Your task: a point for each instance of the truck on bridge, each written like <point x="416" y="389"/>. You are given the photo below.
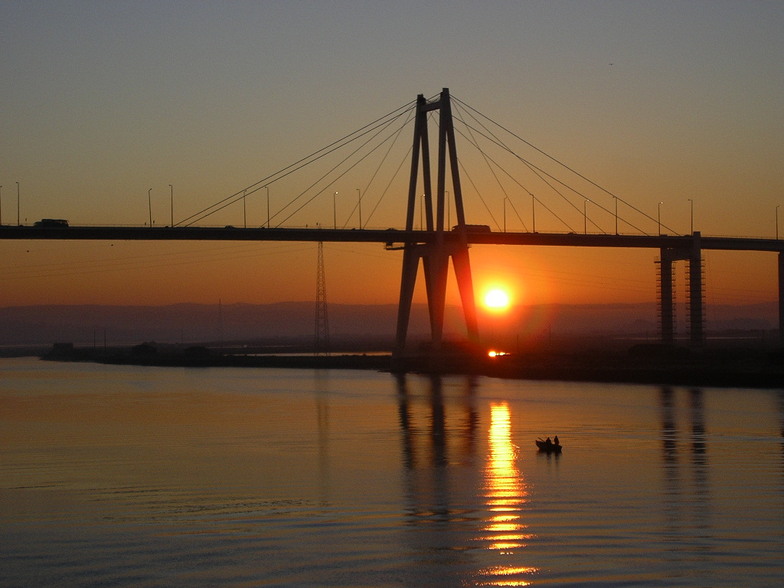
<point x="51" y="223"/>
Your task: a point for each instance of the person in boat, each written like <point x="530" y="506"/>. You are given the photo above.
<point x="555" y="441"/>
<point x="548" y="442"/>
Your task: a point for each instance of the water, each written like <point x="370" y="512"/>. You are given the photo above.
<point x="117" y="475"/>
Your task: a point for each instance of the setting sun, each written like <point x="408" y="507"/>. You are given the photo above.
<point x="496" y="299"/>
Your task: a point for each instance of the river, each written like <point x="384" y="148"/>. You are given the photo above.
<point x="134" y="476"/>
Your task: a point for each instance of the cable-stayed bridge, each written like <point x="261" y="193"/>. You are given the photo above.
<point x="435" y="240"/>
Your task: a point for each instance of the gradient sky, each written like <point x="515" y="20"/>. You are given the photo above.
<point x="656" y="101"/>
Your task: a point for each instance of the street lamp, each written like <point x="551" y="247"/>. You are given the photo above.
<point x="616" y="214"/>
<point x="244" y="211"/>
<point x="359" y="205"/>
<point x="171" y="200"/>
<point x="1" y="205"/>
<point x="505" y="199"/>
<point x="533" y="213"/>
<point x="268" y="216"/>
<point x="777" y="222"/>
<point x="149" y="204"/>
<point x="334" y="211"/>
<point x="17" y="204"/>
<point x="585" y="216"/>
<point x="691" y="216"/>
<point x="658" y="215"/>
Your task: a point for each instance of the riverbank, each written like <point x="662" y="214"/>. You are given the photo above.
<point x="643" y="364"/>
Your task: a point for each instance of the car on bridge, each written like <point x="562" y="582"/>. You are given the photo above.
<point x="474" y="228"/>
<point x="51" y="223"/>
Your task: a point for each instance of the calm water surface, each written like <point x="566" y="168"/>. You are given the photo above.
<point x="114" y="475"/>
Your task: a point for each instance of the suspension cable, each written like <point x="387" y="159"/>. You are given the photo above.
<point x="539" y="172"/>
<point x="297" y="165"/>
<point x="473" y="141"/>
<point x="391" y="180"/>
<point x="516" y="181"/>
<point x="578" y="174"/>
<point x="378" y="168"/>
<point x="308" y="201"/>
<point x="303" y="162"/>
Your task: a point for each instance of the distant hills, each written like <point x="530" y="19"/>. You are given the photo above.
<point x="295" y="321"/>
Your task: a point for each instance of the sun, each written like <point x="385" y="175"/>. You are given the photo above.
<point x="497" y="299"/>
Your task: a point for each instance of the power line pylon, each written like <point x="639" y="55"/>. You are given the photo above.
<point x="435" y="254"/>
<point x="321" y="344"/>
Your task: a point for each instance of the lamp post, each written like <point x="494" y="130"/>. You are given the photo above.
<point x="334" y="211"/>
<point x="658" y="215"/>
<point x="691" y="216"/>
<point x="533" y="213"/>
<point x="17" y="204"/>
<point x="149" y="204"/>
<point x="585" y="217"/>
<point x="1" y="205"/>
<point x="616" y="214"/>
<point x="777" y="222"/>
<point x="244" y="211"/>
<point x="505" y="199"/>
<point x="268" y="216"/>
<point x="171" y="201"/>
<point x="359" y="205"/>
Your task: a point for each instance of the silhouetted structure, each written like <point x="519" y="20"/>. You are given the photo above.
<point x="434" y="244"/>
<point x="322" y="318"/>
<point x="695" y="295"/>
<point x="435" y="253"/>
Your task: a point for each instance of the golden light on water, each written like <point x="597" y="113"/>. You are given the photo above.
<point x="505" y="495"/>
<point x="504" y="488"/>
<point x="503" y="576"/>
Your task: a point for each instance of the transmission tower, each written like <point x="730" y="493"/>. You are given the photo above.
<point x="321" y="344"/>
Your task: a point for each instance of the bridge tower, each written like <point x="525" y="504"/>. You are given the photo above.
<point x="695" y="294"/>
<point x="435" y="253"/>
<point x="666" y="291"/>
<point x="781" y="296"/>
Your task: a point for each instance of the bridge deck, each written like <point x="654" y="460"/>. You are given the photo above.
<point x="109" y="233"/>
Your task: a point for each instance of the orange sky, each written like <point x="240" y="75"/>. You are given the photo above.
<point x="68" y="272"/>
<point x="668" y="107"/>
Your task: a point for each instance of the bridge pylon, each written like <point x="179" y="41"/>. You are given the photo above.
<point x="781" y="296"/>
<point x="436" y="252"/>
<point x="695" y="294"/>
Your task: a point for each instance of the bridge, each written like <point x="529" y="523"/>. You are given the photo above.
<point x="434" y="243"/>
<point x="384" y="236"/>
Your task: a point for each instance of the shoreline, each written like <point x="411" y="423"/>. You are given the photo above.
<point x="725" y="368"/>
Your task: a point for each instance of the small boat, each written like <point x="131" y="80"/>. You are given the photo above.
<point x="548" y="446"/>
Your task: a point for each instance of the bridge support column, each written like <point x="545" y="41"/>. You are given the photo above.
<point x="666" y="302"/>
<point x="693" y="257"/>
<point x="466" y="286"/>
<point x="435" y="263"/>
<point x="411" y="256"/>
<point x="781" y="297"/>
<point x="696" y="309"/>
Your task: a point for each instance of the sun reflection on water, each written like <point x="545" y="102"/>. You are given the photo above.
<point x="505" y="494"/>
